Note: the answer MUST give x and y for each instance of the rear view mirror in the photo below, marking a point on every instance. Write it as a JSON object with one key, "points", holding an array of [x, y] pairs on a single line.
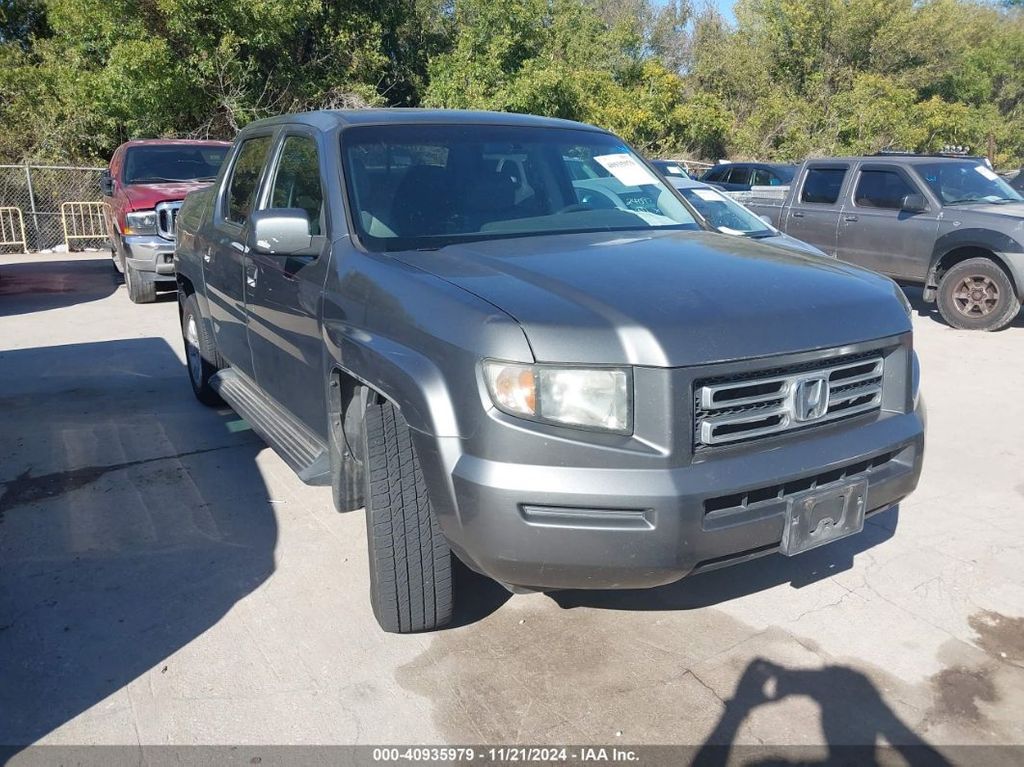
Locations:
{"points": [[280, 231], [914, 203], [106, 184]]}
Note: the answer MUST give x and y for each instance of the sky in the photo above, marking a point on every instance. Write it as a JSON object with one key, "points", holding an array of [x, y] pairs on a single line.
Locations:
{"points": [[725, 7]]}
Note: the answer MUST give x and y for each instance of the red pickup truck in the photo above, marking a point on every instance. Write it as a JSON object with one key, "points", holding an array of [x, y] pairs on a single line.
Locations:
{"points": [[143, 188]]}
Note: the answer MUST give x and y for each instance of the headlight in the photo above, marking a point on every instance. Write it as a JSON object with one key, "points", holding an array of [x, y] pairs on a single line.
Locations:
{"points": [[141, 222], [588, 398]]}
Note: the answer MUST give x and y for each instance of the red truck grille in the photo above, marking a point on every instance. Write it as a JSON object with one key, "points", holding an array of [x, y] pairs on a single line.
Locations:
{"points": [[166, 217]]}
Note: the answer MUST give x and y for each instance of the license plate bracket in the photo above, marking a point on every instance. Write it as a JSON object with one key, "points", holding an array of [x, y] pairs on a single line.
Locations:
{"points": [[823, 515]]}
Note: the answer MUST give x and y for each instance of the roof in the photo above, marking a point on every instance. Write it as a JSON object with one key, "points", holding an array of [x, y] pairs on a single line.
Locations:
{"points": [[910, 159], [329, 119], [753, 164], [173, 142]]}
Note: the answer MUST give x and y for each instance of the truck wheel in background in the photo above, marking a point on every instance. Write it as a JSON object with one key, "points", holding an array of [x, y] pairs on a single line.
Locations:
{"points": [[140, 290], [115, 257], [976, 294], [201, 357], [411, 578]]}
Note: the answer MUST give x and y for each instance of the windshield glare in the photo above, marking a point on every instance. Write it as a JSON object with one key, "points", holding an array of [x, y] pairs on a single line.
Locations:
{"points": [[966, 181], [725, 214], [425, 186], [156, 164]]}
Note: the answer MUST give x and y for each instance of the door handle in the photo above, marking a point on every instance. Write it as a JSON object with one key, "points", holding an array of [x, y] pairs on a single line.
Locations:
{"points": [[797, 214], [208, 255], [849, 218], [250, 276]]}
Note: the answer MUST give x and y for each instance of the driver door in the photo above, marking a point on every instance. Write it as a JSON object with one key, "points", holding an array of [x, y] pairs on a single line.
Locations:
{"points": [[284, 293]]}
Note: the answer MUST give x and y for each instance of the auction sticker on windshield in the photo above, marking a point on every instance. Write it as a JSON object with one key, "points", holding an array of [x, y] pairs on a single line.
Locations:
{"points": [[626, 169], [980, 168], [708, 194]]}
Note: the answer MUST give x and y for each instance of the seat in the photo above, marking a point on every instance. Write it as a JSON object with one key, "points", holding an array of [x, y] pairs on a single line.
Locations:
{"points": [[422, 205]]}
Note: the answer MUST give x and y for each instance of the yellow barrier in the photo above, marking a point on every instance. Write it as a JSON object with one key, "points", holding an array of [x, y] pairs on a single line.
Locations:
{"points": [[12, 225], [83, 221]]}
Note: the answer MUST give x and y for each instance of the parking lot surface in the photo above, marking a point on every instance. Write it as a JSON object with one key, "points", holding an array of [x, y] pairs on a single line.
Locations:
{"points": [[166, 579]]}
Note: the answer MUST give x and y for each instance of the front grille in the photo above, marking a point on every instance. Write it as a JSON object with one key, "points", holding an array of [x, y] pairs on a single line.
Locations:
{"points": [[166, 218], [781, 491], [739, 408]]}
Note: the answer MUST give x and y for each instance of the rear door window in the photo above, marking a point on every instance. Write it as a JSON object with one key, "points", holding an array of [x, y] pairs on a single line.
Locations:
{"points": [[739, 176], [823, 185], [245, 176], [881, 189]]}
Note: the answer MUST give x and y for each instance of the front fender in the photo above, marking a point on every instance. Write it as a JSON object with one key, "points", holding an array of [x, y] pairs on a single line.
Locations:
{"points": [[1004, 248]]}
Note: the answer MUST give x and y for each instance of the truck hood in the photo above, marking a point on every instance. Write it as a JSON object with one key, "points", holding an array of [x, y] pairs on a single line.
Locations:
{"points": [[146, 196], [1001, 210], [668, 299]]}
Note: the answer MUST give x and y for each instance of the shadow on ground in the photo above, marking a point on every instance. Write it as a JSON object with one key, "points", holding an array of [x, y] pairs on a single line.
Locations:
{"points": [[37, 285], [131, 520], [858, 726]]}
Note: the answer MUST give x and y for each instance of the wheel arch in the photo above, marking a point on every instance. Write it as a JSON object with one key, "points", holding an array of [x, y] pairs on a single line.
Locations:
{"points": [[945, 260]]}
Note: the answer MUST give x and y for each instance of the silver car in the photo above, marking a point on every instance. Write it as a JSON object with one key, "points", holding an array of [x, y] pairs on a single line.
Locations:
{"points": [[724, 214]]}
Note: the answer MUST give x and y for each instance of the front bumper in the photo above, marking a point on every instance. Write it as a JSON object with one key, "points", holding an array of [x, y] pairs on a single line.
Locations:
{"points": [[150, 255], [549, 527]]}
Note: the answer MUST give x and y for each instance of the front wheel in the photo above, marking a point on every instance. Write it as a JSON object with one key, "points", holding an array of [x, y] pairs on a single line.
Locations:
{"points": [[411, 579], [976, 294], [140, 290], [201, 356]]}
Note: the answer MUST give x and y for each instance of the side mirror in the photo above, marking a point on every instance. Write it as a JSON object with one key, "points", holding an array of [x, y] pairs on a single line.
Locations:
{"points": [[767, 220], [914, 203], [280, 231], [106, 184]]}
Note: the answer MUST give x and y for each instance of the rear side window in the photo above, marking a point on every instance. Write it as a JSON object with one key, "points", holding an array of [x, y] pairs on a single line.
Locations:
{"points": [[739, 176], [881, 189], [822, 185], [715, 174], [297, 180], [245, 175]]}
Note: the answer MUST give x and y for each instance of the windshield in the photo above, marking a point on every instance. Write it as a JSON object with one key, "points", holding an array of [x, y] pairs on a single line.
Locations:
{"points": [[967, 181], [156, 164], [426, 186], [725, 214]]}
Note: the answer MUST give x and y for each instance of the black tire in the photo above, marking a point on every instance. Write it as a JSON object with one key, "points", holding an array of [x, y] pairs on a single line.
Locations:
{"points": [[411, 580], [140, 290], [201, 358], [977, 294], [116, 256]]}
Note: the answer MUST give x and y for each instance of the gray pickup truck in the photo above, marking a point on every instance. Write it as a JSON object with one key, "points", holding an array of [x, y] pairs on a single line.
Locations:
{"points": [[949, 224], [434, 314]]}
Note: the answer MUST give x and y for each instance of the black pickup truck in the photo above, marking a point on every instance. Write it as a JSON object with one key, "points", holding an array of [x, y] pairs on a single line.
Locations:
{"points": [[435, 314], [949, 224]]}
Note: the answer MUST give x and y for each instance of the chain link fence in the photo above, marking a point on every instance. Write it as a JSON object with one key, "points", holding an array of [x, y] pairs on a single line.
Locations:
{"points": [[39, 192]]}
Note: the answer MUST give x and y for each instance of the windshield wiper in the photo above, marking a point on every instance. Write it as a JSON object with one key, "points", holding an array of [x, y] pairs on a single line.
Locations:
{"points": [[157, 179]]}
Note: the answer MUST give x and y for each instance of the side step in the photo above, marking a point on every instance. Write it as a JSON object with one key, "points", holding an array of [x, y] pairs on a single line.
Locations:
{"points": [[300, 448]]}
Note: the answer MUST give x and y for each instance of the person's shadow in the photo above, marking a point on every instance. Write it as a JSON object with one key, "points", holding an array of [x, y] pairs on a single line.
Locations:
{"points": [[856, 722], [132, 519]]}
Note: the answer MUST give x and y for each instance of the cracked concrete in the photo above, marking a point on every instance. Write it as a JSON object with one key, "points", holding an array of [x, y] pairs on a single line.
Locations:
{"points": [[166, 579]]}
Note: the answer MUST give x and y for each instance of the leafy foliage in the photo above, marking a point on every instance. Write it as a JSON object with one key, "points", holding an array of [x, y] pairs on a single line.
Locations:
{"points": [[790, 78]]}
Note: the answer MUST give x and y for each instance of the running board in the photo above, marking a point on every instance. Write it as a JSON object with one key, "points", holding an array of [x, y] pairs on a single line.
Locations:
{"points": [[300, 448]]}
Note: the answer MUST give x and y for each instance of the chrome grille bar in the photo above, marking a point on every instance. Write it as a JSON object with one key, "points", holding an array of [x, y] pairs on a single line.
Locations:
{"points": [[166, 218], [740, 409]]}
